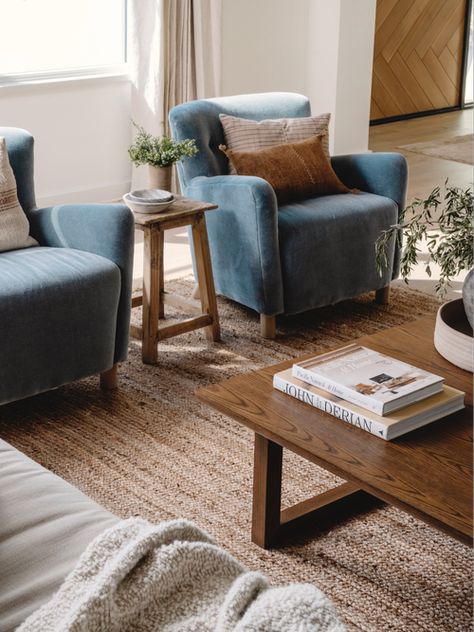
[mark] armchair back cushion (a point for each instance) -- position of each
(200, 120)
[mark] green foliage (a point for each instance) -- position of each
(159, 151)
(448, 236)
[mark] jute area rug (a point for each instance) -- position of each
(151, 449)
(458, 148)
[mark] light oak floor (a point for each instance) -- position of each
(425, 173)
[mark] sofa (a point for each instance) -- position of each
(65, 303)
(45, 525)
(127, 574)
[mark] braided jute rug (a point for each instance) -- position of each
(151, 449)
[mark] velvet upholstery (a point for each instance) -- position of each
(65, 305)
(294, 257)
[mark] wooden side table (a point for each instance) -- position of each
(183, 212)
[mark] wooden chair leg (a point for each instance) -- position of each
(268, 326)
(109, 379)
(382, 296)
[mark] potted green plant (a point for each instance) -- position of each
(159, 153)
(443, 221)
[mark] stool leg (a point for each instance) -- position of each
(204, 277)
(151, 294)
(162, 274)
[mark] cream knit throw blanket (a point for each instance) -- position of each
(171, 577)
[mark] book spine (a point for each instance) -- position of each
(337, 389)
(332, 408)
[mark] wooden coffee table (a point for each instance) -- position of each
(427, 472)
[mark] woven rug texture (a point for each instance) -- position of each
(458, 148)
(152, 450)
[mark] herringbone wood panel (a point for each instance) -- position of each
(417, 56)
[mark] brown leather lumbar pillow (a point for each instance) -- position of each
(295, 170)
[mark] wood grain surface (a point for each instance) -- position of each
(417, 56)
(427, 472)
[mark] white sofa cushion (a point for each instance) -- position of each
(45, 525)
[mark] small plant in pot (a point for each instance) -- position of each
(159, 153)
(444, 222)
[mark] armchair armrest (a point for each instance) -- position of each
(243, 236)
(103, 229)
(379, 172)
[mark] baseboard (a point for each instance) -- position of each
(106, 193)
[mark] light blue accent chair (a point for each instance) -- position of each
(293, 257)
(65, 304)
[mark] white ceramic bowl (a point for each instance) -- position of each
(146, 207)
(150, 195)
(453, 335)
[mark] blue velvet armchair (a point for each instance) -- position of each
(65, 304)
(294, 257)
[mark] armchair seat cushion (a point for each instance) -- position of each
(58, 312)
(327, 248)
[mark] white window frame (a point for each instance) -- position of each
(71, 74)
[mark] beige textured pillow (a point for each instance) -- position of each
(247, 135)
(295, 170)
(14, 225)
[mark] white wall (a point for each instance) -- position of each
(82, 132)
(264, 45)
(321, 48)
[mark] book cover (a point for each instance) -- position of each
(416, 415)
(368, 378)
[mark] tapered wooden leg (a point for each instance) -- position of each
(204, 277)
(151, 294)
(268, 326)
(268, 458)
(109, 379)
(382, 296)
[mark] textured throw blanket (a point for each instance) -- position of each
(172, 577)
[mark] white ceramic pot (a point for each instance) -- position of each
(159, 177)
(453, 335)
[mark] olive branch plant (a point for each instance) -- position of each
(448, 235)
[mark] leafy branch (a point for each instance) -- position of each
(448, 236)
(159, 151)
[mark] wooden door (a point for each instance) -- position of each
(417, 56)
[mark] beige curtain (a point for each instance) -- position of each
(190, 52)
(174, 54)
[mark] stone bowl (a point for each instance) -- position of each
(453, 335)
(146, 206)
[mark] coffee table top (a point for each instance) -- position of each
(427, 472)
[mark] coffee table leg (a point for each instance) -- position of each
(268, 459)
(270, 524)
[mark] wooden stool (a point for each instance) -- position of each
(183, 212)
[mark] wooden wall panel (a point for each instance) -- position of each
(417, 56)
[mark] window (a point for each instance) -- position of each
(56, 38)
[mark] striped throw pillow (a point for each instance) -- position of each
(14, 225)
(248, 135)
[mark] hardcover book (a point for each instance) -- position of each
(448, 401)
(368, 378)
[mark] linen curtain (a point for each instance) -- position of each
(174, 54)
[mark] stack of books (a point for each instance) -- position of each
(370, 390)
